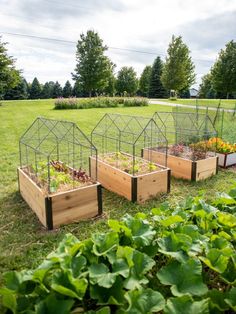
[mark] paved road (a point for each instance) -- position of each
(169, 104)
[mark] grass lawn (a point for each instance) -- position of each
(23, 241)
(225, 103)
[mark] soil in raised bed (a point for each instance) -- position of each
(184, 152)
(62, 177)
(124, 162)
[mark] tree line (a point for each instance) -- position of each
(94, 74)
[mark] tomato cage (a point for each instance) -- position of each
(120, 140)
(117, 134)
(55, 155)
(189, 145)
(54, 174)
(187, 133)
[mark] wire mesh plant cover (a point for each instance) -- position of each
(187, 133)
(120, 136)
(55, 154)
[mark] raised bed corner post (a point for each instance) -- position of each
(49, 176)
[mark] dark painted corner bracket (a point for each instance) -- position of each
(99, 195)
(48, 207)
(168, 180)
(134, 189)
(194, 171)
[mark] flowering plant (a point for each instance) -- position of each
(219, 146)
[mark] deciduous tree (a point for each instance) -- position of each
(178, 72)
(9, 75)
(93, 68)
(127, 81)
(224, 70)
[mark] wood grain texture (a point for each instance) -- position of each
(152, 184)
(206, 168)
(33, 195)
(72, 206)
(112, 178)
(180, 167)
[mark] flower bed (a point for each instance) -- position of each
(224, 150)
(136, 182)
(99, 102)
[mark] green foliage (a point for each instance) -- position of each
(9, 76)
(57, 90)
(206, 89)
(127, 82)
(67, 90)
(35, 89)
(20, 91)
(93, 68)
(156, 88)
(47, 90)
(145, 81)
(178, 73)
(99, 102)
(175, 260)
(224, 71)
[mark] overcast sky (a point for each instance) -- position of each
(205, 25)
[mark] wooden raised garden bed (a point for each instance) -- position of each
(226, 159)
(182, 167)
(136, 188)
(60, 208)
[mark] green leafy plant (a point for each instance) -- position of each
(179, 259)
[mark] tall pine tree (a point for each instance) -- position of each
(67, 90)
(47, 91)
(35, 89)
(20, 91)
(156, 88)
(144, 81)
(57, 90)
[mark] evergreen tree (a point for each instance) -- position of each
(127, 81)
(67, 90)
(47, 91)
(93, 68)
(156, 88)
(144, 81)
(57, 90)
(9, 76)
(178, 72)
(20, 91)
(35, 89)
(224, 70)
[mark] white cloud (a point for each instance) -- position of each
(135, 24)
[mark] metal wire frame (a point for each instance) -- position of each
(50, 139)
(186, 128)
(127, 134)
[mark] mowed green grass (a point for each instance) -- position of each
(225, 103)
(23, 241)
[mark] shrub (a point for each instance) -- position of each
(178, 259)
